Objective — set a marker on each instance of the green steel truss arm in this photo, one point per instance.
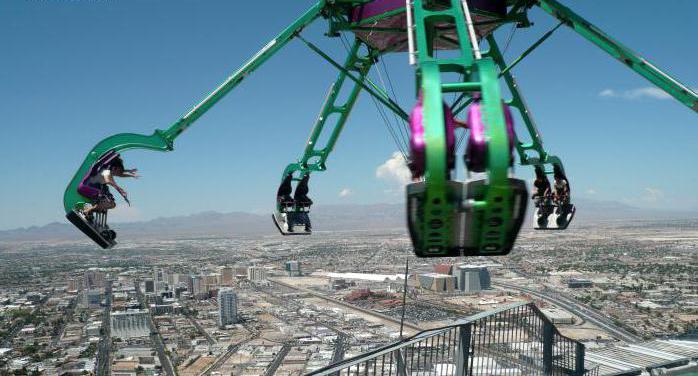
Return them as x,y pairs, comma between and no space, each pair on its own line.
518,102
480,75
620,52
364,82
163,140
355,67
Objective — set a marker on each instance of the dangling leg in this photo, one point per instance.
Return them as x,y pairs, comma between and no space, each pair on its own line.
558,219
283,194
314,156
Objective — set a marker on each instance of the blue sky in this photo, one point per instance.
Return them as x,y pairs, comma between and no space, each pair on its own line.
74,72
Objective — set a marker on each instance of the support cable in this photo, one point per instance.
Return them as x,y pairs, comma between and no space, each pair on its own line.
401,129
381,112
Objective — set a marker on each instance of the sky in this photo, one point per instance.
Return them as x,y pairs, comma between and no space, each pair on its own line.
75,72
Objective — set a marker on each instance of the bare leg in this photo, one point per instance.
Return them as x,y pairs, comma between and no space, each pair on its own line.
102,206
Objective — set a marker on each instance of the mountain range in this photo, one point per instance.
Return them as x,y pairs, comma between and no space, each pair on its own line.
324,217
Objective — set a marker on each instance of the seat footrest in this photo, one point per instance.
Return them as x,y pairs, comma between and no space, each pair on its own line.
553,216
469,236
103,237
292,222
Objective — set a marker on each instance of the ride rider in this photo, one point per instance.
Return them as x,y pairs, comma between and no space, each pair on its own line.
561,185
541,185
103,179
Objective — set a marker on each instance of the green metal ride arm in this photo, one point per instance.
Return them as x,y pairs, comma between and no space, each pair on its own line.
356,68
518,102
163,140
625,55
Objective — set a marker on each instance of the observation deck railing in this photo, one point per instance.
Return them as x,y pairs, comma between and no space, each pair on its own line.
513,340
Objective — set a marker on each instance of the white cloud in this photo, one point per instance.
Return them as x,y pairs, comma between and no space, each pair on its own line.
652,195
394,170
345,192
633,94
608,93
591,191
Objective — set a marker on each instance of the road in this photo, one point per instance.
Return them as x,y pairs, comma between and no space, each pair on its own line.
277,360
347,305
155,338
103,366
578,309
339,349
201,330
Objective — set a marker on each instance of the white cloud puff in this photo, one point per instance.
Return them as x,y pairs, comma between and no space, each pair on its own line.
345,192
394,170
639,93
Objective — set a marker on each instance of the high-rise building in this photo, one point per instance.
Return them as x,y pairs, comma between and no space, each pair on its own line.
210,282
293,268
194,285
93,298
472,279
227,307
76,284
227,276
256,274
160,279
94,279
129,324
149,286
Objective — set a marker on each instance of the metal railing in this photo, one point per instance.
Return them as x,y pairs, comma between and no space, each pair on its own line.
514,340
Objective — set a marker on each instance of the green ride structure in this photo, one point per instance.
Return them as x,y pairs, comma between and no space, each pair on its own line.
442,40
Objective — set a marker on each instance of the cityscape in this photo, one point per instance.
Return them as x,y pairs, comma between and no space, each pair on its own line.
287,306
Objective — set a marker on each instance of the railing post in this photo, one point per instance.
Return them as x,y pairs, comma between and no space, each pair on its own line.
548,331
401,369
579,359
464,335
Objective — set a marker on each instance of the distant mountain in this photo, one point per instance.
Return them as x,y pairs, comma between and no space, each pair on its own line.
325,218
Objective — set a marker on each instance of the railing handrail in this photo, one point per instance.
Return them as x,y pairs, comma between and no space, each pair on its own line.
428,333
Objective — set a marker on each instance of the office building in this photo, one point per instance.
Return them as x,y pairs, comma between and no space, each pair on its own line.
473,279
227,307
256,274
436,282
293,268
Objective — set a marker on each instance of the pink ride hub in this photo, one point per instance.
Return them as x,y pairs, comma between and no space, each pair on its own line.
418,144
476,151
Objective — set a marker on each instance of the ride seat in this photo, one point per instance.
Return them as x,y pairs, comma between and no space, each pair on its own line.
470,236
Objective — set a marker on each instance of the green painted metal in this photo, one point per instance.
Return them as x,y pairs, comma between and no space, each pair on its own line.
620,52
518,102
163,140
356,68
364,82
480,75
496,213
529,50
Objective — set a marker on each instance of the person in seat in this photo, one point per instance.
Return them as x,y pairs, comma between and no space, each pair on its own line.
541,186
283,195
561,185
301,195
102,199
